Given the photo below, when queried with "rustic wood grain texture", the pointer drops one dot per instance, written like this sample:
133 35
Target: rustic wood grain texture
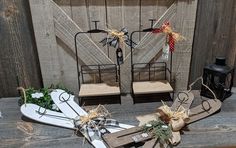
152 9
114 20
19 60
97 12
148 47
151 43
80 14
184 24
131 20
66 55
42 17
65 29
217 130
214 35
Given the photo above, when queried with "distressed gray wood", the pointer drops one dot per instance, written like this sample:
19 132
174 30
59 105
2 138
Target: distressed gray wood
42 18
114 20
80 14
18 53
65 29
145 54
66 55
97 12
131 19
152 9
184 24
214 34
216 130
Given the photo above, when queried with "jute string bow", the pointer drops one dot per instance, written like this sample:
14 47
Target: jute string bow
118 36
176 118
99 112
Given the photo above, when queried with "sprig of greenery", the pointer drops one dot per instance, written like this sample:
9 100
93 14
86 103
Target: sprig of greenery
45 101
159 129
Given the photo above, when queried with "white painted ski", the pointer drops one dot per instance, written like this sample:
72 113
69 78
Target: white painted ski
55 119
72 110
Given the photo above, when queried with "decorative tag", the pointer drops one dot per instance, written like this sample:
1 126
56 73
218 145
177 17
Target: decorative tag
140 137
165 52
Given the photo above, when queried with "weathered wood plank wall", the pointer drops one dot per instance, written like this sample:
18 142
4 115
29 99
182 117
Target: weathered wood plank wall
215 35
18 53
77 16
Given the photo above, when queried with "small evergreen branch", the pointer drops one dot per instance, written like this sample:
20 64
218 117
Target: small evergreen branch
159 129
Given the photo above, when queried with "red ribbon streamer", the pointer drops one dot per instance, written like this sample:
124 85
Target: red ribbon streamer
171 40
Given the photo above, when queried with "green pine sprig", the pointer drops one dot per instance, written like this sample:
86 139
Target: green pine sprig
159 129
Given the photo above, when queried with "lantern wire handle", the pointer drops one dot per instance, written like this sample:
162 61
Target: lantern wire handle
200 78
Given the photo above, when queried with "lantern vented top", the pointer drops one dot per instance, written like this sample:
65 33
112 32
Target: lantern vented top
220 61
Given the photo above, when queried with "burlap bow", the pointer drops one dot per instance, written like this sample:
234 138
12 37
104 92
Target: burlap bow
116 38
99 112
176 118
94 124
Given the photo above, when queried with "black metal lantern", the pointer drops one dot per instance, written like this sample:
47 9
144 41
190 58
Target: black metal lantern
219 77
119 56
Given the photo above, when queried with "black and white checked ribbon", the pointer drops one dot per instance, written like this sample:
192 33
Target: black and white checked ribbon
97 127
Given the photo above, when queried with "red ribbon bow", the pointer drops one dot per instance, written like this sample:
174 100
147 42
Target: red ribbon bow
172 36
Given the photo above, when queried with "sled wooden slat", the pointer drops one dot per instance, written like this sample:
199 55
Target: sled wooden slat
124 137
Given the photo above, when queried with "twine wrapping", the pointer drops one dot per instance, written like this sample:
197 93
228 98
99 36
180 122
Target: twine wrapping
176 118
171 35
22 89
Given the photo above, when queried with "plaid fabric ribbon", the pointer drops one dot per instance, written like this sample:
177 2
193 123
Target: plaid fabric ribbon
97 127
115 37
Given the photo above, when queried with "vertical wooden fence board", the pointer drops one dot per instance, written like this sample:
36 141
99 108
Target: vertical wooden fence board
97 12
231 54
152 9
114 20
148 11
66 55
18 51
232 44
131 20
184 24
213 35
80 14
42 16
